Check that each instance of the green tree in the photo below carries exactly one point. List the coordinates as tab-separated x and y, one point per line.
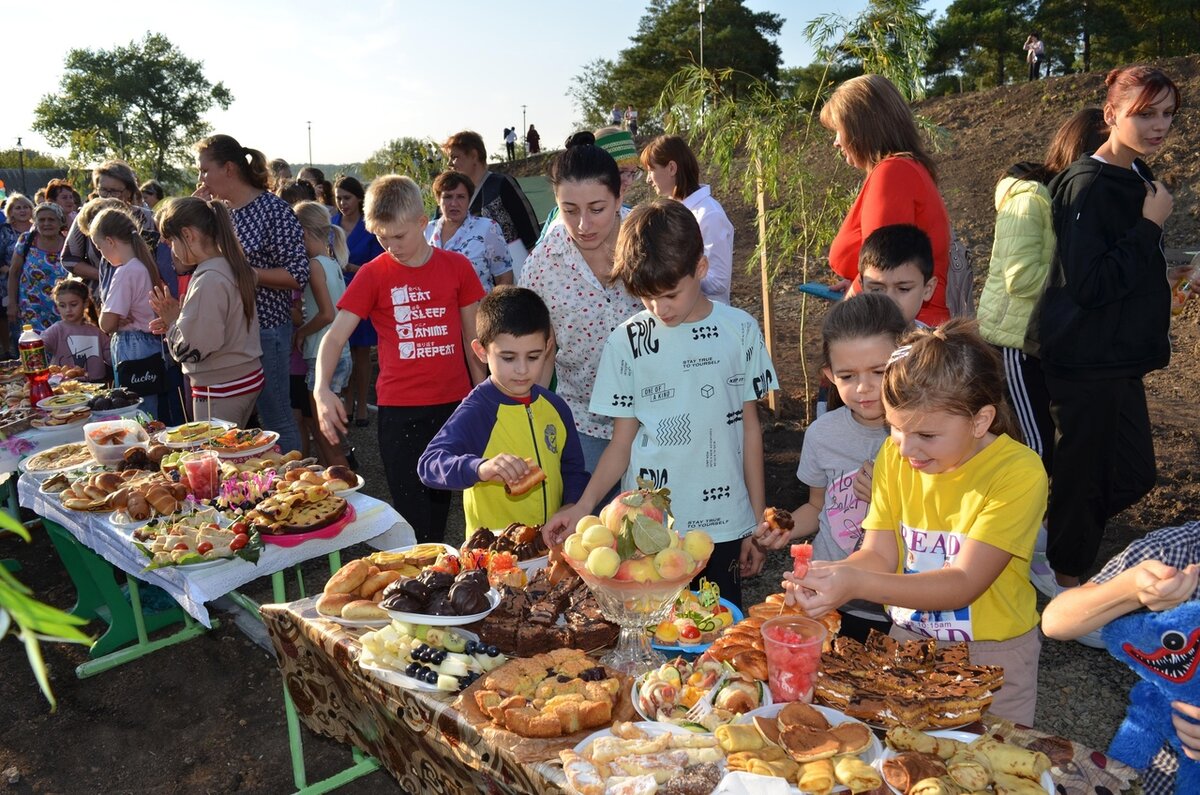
892	38
1082	35
143	101
739	46
420	159
982	39
11	158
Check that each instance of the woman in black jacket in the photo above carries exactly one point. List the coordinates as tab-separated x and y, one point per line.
1102	323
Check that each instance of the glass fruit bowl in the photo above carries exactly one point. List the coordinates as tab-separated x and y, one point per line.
633	606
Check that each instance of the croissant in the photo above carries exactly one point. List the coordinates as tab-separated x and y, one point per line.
137	507
119	498
161	499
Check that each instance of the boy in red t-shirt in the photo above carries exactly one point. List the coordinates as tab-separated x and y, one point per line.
422	303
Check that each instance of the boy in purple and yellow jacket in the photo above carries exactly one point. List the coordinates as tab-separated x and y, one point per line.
508	424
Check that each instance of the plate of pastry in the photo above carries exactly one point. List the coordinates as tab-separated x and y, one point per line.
973	762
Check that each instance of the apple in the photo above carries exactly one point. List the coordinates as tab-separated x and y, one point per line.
574	548
596	536
603	562
653	503
673	563
697	544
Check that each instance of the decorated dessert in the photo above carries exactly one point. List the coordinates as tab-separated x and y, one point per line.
523	541
697	618
297	508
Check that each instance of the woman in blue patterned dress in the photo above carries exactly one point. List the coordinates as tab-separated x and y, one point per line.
36	267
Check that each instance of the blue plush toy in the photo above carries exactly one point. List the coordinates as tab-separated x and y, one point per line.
1162	649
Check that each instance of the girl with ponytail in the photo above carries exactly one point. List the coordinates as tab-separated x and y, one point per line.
273	244
214	334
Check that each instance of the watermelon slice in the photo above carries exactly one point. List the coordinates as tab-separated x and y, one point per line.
801	557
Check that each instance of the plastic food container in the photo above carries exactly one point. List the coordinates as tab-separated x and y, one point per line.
132	435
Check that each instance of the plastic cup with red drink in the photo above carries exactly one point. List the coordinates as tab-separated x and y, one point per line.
793	648
202	470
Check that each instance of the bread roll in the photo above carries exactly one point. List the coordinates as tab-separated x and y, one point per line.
162	500
348	578
534	476
332	604
753	663
376	582
364	610
339	472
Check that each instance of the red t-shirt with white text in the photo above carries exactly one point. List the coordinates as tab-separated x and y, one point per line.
416	313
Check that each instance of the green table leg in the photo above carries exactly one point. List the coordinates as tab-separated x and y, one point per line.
127	637
363	764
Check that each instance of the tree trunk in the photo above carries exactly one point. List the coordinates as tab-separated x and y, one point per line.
768	320
1087	39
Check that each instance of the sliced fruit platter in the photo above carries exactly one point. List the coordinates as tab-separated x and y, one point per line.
667	693
195	539
427	658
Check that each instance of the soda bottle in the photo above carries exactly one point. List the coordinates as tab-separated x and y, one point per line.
33	362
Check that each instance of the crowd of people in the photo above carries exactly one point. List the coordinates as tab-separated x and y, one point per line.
603	347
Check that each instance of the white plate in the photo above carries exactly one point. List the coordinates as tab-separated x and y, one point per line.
76	400
1046	780
72	424
534	565
397	678
448	549
447	621
353	488
251	451
636	686
873	753
23	465
649	727
370	623
161	436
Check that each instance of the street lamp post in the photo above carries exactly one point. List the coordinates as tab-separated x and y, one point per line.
21	158
524	130
310	144
121	138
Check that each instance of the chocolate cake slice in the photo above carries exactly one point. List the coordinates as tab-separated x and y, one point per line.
538	638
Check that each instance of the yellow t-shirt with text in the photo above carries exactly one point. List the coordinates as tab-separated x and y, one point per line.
998	497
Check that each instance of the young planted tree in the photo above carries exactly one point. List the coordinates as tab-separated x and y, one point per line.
422	160
759	140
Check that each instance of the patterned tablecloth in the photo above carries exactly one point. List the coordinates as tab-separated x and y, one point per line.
430	748
192	589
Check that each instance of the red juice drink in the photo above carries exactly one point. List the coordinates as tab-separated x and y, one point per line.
203	473
35	364
793	648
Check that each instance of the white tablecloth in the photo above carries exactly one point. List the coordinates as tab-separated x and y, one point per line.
193	588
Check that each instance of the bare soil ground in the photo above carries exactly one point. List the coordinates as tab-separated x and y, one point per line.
206	716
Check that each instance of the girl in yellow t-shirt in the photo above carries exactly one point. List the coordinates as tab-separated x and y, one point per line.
955	508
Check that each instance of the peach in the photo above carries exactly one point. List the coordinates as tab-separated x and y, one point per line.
603	562
596	536
642	570
625	571
574	548
697	544
673	563
586	522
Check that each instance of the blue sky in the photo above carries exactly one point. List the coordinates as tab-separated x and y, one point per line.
366	72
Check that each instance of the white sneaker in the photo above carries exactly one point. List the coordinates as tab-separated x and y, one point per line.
1092	639
1042	577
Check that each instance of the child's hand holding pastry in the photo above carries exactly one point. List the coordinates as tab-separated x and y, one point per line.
503	468
776	529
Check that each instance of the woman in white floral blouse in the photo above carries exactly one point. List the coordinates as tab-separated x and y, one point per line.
570	270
